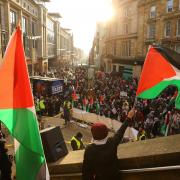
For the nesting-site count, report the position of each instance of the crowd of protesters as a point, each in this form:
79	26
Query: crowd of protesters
111	95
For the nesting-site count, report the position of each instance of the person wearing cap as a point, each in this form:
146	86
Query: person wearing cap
76	142
100	158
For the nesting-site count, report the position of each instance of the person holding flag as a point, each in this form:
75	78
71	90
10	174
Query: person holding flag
17	112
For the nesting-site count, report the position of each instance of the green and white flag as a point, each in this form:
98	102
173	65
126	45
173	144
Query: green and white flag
17	112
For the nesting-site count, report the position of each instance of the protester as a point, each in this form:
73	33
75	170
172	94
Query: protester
112	95
67	108
76	142
100	158
42	106
141	134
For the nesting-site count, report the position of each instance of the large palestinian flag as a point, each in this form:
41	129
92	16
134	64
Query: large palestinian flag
17	112
161	69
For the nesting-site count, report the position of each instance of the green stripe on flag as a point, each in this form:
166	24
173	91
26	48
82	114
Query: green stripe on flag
23	126
153	92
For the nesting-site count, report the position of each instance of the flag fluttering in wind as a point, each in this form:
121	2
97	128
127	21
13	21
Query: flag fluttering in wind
17	112
161	69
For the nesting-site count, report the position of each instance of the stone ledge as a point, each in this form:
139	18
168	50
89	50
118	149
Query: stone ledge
142	154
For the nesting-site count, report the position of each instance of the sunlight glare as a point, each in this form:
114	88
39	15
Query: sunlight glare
81	16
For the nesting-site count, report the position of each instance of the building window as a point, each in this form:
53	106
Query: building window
114	53
126	29
168	29
1	14
13	20
34	33
153	12
152	30
178	28
121	69
126	48
33	28
25	37
50	25
126	12
177	48
24	25
169	5
114	67
3	42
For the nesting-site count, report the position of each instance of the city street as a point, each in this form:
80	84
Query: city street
73	70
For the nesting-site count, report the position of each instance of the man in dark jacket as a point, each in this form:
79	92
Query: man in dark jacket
100	157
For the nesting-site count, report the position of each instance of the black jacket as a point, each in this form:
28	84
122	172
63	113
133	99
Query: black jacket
100	161
5	165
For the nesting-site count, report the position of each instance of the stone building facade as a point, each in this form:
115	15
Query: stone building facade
136	25
26	12
121	40
159	23
66	47
41	33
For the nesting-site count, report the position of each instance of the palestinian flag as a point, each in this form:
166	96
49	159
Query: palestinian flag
74	96
17	112
161	69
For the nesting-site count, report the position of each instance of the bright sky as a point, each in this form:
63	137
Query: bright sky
81	16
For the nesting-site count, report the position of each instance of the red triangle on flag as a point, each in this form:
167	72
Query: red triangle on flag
156	68
15	90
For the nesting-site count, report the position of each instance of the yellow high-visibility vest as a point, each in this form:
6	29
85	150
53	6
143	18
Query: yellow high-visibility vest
141	136
77	142
41	104
37	107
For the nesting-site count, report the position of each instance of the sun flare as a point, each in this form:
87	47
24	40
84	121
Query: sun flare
81	16
105	12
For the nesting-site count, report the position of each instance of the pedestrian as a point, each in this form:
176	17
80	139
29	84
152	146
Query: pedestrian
67	111
42	106
100	158
76	142
141	134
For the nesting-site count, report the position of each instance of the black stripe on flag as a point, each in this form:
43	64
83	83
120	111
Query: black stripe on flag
170	55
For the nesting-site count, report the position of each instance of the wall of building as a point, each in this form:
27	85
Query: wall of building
42	40
121	35
153	26
136	25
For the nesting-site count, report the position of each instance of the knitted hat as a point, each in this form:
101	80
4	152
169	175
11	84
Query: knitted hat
99	131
